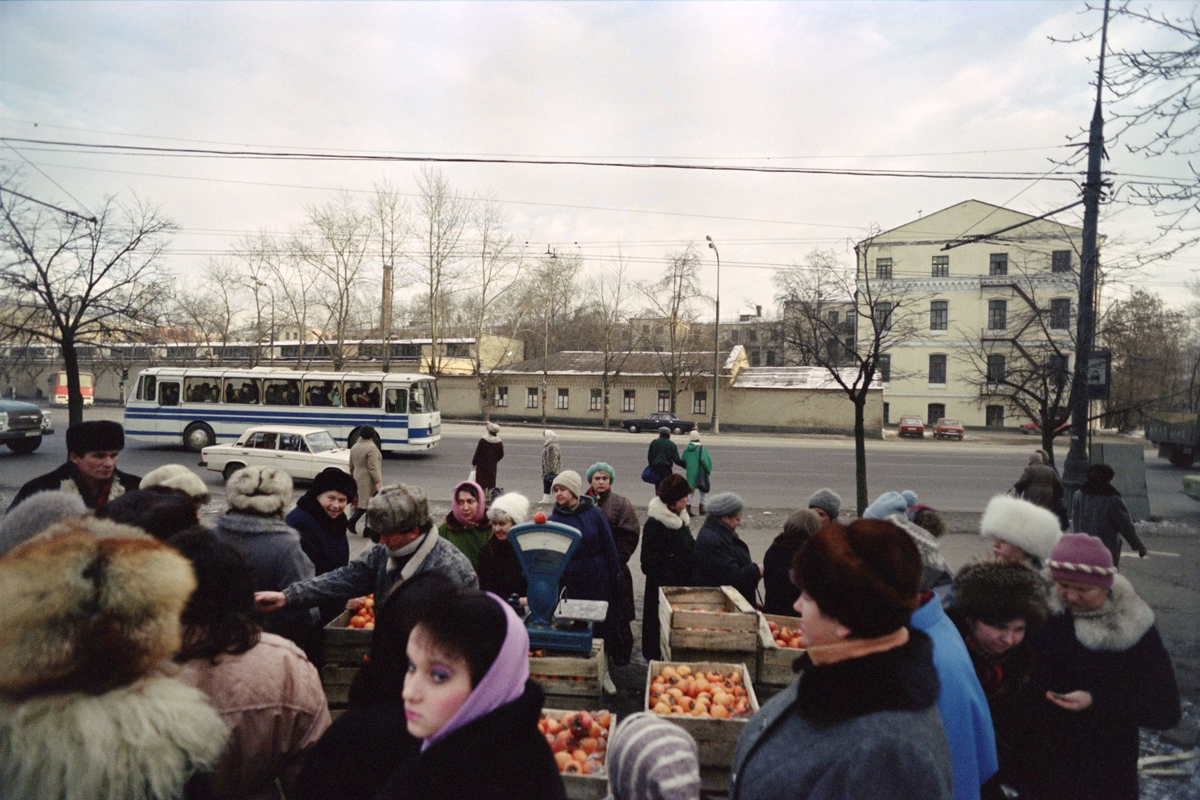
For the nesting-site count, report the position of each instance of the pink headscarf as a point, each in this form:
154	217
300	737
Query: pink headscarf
504	681
480	511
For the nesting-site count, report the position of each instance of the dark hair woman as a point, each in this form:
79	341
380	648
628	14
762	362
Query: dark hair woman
264	688
667	546
320	519
467	690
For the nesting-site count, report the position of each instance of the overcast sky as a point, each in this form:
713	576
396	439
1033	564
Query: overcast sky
917	86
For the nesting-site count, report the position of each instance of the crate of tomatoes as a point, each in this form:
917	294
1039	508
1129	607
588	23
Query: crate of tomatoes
579	741
709	700
346	640
780	644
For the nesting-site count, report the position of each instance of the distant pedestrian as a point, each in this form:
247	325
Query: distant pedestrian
722	557
626	531
826	504
489	452
698	464
1021	532
663	455
779	589
667	547
1039	484
551	464
366	467
1097	509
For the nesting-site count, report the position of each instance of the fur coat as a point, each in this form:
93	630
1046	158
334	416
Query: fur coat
488	455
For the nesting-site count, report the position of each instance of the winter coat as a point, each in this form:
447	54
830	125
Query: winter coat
67	479
551	458
723	559
468	539
626	531
324	541
1106	517
595	569
663	454
325	776
695	457
488	455
366	467
961	702
272	548
374	571
271	699
507	758
1039	484
1116	654
667	546
499	569
780	594
865	727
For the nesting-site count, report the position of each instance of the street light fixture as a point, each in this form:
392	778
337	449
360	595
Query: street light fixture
715	425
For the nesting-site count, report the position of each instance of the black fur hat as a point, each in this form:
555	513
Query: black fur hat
996	592
94	436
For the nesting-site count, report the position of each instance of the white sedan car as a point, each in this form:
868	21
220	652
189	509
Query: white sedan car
300	451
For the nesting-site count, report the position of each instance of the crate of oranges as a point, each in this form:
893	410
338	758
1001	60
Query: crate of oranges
579	741
780	643
709	700
346	640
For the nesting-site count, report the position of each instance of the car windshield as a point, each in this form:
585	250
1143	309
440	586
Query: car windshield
950	422
321	442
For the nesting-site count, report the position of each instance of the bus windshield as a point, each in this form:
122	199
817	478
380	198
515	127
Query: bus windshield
424	399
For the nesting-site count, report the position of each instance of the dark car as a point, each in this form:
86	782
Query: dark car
947	428
22	426
1032	427
911	426
657	420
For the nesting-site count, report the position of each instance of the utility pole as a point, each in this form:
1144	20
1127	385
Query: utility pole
385	316
715	423
1077	462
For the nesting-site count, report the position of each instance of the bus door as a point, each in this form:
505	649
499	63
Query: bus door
167	420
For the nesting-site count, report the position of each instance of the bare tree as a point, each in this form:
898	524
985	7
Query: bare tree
258	256
212	306
497	272
671	299
439	221
611	294
71	281
885	314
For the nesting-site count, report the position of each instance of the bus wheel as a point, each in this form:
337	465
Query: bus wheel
24	447
231	468
197	436
353	438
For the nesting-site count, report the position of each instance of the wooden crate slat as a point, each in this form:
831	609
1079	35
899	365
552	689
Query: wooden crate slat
730	625
774	662
716	739
554	674
343	645
747	659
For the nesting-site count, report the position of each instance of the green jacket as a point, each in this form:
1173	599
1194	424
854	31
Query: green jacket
696	456
469	541
664	453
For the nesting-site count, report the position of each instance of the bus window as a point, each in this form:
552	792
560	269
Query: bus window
424	401
362	394
321	393
146	388
85	380
241	390
168	394
396	401
292	442
199	390
282	393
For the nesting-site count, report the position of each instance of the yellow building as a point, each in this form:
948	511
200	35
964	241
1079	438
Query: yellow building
988	324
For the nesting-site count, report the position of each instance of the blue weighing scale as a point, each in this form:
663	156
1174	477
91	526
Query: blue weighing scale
544	550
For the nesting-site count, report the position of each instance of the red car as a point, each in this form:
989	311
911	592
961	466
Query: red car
947	428
911	426
1032	427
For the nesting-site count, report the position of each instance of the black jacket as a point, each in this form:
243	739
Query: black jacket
358	752
780	593
53	481
666	561
722	559
500	756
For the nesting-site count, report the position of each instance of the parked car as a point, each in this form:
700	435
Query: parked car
911	426
657	420
299	451
1032	427
22	426
947	428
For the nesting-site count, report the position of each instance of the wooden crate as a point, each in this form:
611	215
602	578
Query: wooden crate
716	738
336	681
775	663
724	629
572	682
584	787
343	645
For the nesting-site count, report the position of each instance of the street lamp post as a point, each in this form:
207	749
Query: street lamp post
715	425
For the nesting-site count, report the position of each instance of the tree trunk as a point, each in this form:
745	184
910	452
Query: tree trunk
1048	444
860	452
74	396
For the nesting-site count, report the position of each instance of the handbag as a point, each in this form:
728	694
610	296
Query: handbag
471	476
649	475
702	482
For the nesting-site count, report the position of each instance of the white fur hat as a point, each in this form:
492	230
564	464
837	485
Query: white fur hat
180	478
1022	524
259	490
512	506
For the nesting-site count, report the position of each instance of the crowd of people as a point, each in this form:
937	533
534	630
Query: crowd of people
144	654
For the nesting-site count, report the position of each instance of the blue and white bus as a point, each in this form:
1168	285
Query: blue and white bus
204	406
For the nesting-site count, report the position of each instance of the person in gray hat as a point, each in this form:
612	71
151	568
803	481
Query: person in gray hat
408	545
721	557
91	470
826	504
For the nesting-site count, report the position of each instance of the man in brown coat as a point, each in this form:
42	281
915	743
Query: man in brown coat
1039	484
366	467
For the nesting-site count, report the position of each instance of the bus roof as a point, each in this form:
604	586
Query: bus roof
271	372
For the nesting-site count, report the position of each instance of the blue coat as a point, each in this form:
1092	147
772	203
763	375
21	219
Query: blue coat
595	568
961	703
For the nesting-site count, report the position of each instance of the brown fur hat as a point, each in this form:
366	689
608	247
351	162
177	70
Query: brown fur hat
265	491
997	592
88	606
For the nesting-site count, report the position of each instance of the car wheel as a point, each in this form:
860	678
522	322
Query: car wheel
198	436
633	428
24	447
677	430
231	468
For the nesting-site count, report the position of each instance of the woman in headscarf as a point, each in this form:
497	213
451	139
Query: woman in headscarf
626	530
551	463
320	519
466	526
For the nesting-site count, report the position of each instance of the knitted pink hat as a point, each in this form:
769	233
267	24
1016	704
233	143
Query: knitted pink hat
1080	558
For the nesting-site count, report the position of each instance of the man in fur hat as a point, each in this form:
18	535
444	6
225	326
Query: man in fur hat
91	469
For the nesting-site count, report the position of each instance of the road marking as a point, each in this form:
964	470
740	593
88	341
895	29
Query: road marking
1161	553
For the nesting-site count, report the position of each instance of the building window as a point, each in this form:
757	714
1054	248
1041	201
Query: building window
1060	314
994	416
1060	261
596	400
937	369
934	412
531	397
752	335
996	365
770	358
887	413
699	402
563	400
733	336
939	315
884	366
998	264
628	400
883	315
883	269
755	358
941	266
664	399
1059	368
502	397
775	335
997	315
833	318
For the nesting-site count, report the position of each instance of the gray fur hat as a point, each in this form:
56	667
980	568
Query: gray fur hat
511	506
265	491
398	507
828	501
35	514
179	478
725	504
933	564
